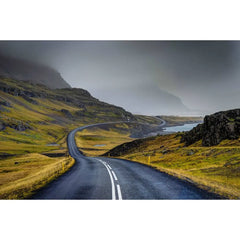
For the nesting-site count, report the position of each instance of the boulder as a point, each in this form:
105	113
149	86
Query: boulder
215	128
66	113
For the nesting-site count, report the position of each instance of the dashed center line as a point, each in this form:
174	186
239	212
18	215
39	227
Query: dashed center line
112	175
119	192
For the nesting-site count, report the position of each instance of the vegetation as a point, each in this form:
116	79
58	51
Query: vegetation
148	119
21	176
180	120
215	169
98	140
34	122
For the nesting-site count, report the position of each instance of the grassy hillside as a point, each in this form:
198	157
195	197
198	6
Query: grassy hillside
22	175
21	69
212	168
98	140
148	119
34	123
41	122
180	120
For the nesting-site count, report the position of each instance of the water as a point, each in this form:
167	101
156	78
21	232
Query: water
183	128
52	145
99	145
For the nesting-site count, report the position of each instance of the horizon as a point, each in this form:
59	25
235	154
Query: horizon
144	77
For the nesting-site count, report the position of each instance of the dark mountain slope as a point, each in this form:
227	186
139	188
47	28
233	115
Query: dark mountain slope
28	71
34	116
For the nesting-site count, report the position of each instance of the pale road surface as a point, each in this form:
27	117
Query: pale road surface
108	178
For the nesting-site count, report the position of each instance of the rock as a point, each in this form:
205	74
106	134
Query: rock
2	126
215	128
3	109
165	151
66	113
5	103
190	153
19	126
124	148
30	99
80	113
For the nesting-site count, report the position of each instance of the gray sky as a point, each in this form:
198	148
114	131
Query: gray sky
140	76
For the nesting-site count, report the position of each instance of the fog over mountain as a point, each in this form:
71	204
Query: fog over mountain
142	75
23	70
146	98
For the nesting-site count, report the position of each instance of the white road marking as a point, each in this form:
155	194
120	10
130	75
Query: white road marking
114	175
119	192
111	178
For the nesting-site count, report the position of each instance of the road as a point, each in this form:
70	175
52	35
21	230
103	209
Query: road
108	178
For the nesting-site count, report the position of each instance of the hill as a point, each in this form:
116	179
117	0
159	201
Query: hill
36	73
34	123
150	99
180	120
214	167
215	128
39	110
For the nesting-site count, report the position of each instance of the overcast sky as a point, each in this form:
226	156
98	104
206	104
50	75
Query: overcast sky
204	75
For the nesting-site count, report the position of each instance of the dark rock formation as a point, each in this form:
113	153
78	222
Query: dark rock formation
30	100
66	113
215	128
124	148
33	72
5	103
144	130
20	126
14	124
2	126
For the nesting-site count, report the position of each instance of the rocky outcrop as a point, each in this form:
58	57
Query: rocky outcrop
215	128
5	103
14	124
144	130
124	148
2	126
66	113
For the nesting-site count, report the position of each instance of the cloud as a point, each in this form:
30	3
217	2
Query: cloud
199	72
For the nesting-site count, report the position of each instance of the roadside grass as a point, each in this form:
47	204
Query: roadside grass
216	169
39	140
21	176
105	139
31	126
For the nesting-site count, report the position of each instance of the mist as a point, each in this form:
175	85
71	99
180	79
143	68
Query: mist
202	75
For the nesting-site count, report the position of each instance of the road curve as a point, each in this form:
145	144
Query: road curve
108	178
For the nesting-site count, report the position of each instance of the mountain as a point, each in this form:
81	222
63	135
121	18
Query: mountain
34	115
145	99
215	128
212	168
36	73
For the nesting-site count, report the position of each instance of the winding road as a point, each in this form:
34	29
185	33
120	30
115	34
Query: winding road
108	178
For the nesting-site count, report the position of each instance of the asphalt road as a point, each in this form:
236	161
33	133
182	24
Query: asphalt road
107	178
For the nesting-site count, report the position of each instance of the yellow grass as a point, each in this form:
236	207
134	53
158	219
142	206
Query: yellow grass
212	168
22	176
88	138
